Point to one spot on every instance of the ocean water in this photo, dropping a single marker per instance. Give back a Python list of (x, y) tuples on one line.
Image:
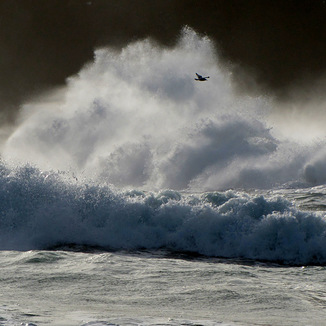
[(135, 195)]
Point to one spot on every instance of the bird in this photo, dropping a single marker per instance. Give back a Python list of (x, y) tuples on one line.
[(201, 78)]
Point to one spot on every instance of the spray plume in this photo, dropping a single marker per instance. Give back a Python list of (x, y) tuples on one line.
[(273, 47), (137, 118)]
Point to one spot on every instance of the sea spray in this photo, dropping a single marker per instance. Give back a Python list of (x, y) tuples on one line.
[(137, 118)]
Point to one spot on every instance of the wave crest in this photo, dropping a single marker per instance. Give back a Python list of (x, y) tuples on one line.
[(41, 210)]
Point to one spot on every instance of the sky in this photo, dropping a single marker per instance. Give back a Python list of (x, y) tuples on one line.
[(272, 47)]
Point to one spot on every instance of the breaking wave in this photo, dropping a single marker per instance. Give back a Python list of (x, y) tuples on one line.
[(136, 119), (41, 210)]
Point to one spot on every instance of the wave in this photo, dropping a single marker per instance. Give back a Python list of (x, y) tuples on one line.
[(41, 210), (136, 119)]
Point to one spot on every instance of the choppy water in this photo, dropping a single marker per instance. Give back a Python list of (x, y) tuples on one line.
[(146, 288)]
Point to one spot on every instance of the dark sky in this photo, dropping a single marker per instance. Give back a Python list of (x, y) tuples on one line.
[(273, 46)]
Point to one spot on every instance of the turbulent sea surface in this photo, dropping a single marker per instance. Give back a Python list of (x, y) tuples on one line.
[(138, 196)]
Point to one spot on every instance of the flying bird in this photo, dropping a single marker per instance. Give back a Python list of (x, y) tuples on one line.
[(201, 78)]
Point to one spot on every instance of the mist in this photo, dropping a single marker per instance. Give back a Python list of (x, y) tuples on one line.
[(136, 118), (105, 90), (272, 48)]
